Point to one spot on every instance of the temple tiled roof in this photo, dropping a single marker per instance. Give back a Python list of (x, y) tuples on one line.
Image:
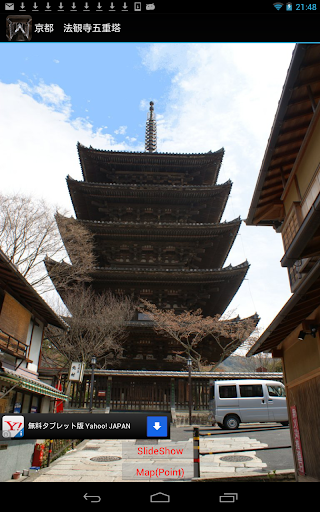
[(89, 199), (208, 289), (104, 165), (202, 245)]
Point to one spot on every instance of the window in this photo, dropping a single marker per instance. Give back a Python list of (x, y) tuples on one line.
[(26, 403), (35, 404), (227, 391), (18, 402), (146, 291), (251, 390), (275, 390)]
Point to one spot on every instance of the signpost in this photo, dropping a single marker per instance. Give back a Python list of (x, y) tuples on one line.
[(76, 372)]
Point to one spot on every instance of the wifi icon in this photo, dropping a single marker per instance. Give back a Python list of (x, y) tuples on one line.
[(278, 5)]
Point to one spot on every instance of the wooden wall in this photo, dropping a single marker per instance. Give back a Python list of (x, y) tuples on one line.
[(14, 318), (305, 395)]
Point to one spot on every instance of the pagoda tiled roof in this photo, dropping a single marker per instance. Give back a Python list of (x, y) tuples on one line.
[(215, 288), (205, 244), (131, 187), (176, 273), (99, 165), (176, 228), (83, 193), (220, 284)]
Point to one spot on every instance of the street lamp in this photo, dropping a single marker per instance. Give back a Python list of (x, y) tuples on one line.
[(189, 362), (93, 364)]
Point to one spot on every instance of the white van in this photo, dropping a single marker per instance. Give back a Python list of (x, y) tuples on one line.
[(246, 401)]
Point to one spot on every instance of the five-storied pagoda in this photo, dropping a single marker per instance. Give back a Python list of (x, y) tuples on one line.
[(156, 221)]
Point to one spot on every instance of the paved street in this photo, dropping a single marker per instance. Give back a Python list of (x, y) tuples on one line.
[(272, 460), (92, 460)]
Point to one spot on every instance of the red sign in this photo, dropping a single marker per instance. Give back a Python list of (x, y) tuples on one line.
[(297, 440), (59, 403)]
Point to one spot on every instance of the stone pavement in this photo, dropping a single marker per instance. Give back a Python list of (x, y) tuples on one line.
[(230, 464), (81, 465)]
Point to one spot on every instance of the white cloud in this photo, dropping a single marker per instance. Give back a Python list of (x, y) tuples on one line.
[(50, 95), (144, 104), (39, 139), (121, 130)]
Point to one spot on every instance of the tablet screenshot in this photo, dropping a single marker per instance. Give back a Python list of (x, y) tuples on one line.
[(159, 169)]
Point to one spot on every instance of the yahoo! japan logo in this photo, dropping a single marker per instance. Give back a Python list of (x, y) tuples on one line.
[(12, 426)]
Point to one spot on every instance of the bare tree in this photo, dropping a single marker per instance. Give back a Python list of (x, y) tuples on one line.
[(97, 326), (27, 233), (262, 362), (79, 244), (190, 328), (30, 233)]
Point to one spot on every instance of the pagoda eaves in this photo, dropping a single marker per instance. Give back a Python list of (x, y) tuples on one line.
[(105, 166), (181, 289), (189, 245), (96, 201)]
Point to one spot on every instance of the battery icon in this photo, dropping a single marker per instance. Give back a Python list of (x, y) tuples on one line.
[(288, 6)]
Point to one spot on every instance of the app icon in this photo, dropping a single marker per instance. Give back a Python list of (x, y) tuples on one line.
[(19, 28), (12, 426)]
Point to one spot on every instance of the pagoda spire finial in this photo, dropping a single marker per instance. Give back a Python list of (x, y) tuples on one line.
[(151, 130)]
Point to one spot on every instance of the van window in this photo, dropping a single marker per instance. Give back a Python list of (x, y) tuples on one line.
[(251, 390), (228, 391), (275, 390)]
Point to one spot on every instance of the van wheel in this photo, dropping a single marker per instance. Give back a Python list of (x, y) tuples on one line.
[(231, 422)]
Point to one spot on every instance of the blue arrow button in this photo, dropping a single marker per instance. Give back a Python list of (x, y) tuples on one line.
[(157, 426)]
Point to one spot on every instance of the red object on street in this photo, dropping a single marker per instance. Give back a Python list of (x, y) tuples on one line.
[(38, 455)]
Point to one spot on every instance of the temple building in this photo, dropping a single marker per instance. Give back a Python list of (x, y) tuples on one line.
[(156, 221)]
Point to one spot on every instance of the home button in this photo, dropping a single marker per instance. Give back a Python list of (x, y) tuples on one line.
[(159, 497)]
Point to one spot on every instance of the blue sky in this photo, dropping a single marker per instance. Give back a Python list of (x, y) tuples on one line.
[(207, 96), (105, 82)]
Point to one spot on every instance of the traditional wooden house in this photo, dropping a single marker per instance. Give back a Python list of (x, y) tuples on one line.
[(23, 317), (156, 221), (287, 197)]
